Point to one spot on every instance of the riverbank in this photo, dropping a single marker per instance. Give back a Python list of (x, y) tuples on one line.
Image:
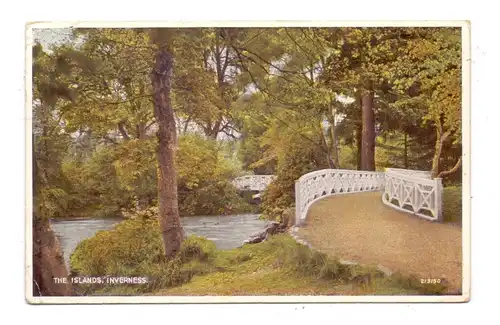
[(226, 231), (279, 266)]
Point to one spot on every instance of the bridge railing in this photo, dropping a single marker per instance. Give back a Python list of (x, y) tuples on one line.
[(414, 193), (253, 182), (410, 191), (411, 173), (327, 182)]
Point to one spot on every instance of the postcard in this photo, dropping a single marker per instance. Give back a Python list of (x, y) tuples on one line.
[(244, 162)]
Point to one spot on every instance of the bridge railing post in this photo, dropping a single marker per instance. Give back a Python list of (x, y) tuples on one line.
[(297, 203), (438, 187)]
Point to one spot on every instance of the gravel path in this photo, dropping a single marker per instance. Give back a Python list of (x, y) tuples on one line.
[(361, 228)]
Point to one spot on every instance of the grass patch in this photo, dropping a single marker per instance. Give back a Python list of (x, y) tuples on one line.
[(279, 266), (452, 204), (414, 283)]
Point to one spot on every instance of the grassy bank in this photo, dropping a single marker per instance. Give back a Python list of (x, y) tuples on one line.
[(279, 266), (452, 204)]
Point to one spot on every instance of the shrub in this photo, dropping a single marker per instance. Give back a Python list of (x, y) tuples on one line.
[(135, 248), (315, 264), (452, 204), (197, 248), (280, 194)]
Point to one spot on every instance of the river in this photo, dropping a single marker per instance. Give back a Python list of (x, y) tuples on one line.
[(226, 231)]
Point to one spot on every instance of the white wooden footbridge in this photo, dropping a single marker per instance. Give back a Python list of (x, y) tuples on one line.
[(256, 183), (410, 191)]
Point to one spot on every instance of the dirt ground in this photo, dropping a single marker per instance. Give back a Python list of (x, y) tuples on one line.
[(361, 228)]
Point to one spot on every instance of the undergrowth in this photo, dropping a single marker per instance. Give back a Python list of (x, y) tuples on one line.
[(452, 204)]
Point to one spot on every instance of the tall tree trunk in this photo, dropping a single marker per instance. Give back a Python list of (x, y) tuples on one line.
[(333, 135), (334, 147), (48, 262), (47, 258), (406, 151), (215, 129), (326, 149), (368, 131), (143, 199), (141, 131), (441, 137), (359, 133), (161, 78), (186, 124)]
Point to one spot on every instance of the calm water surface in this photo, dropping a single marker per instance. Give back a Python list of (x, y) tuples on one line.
[(226, 231)]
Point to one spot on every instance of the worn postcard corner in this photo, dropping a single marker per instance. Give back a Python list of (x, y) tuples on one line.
[(244, 162)]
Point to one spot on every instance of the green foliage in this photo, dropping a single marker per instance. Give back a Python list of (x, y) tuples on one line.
[(135, 165), (390, 152), (348, 157), (315, 264), (135, 248), (295, 156), (120, 250), (253, 123), (113, 178), (95, 189), (452, 204), (94, 125), (204, 178)]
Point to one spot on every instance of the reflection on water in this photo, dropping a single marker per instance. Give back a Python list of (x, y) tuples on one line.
[(226, 231)]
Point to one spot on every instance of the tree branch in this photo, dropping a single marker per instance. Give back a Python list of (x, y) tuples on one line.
[(229, 134), (123, 132), (226, 63), (108, 139), (149, 125), (451, 171), (265, 61), (298, 45)]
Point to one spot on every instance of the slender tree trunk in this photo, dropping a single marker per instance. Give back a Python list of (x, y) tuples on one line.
[(215, 129), (334, 147), (441, 137), (333, 135), (359, 133), (142, 200), (161, 78), (326, 148), (141, 131), (186, 124), (406, 151), (445, 173), (368, 131), (123, 132)]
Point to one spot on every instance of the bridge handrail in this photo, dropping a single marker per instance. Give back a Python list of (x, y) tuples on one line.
[(327, 182), (253, 182), (410, 191), (414, 194), (410, 172)]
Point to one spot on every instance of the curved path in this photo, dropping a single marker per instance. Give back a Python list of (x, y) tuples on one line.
[(360, 227)]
